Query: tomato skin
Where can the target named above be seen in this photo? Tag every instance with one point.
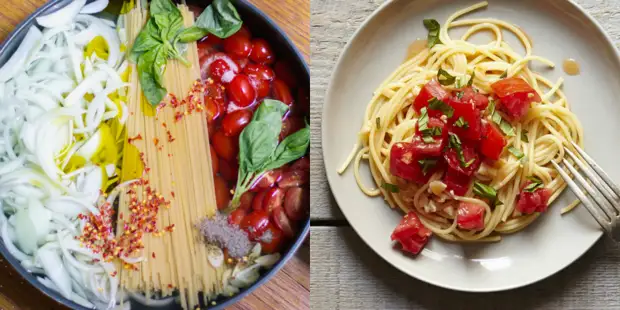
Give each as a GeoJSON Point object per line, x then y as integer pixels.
{"type": "Point", "coordinates": [217, 69]}
{"type": "Point", "coordinates": [261, 52]}
{"type": "Point", "coordinates": [431, 90]}
{"type": "Point", "coordinates": [411, 234]}
{"type": "Point", "coordinates": [245, 201]}
{"type": "Point", "coordinates": [291, 125]}
{"type": "Point", "coordinates": [493, 142]}
{"type": "Point", "coordinates": [271, 240]}
{"type": "Point", "coordinates": [431, 149]}
{"type": "Point", "coordinates": [268, 180]}
{"type": "Point", "coordinates": [296, 203]}
{"type": "Point", "coordinates": [515, 96]}
{"type": "Point", "coordinates": [245, 32]}
{"type": "Point", "coordinates": [222, 193]}
{"type": "Point", "coordinates": [280, 91]}
{"type": "Point", "coordinates": [235, 122]}
{"type": "Point", "coordinates": [215, 162]}
{"type": "Point", "coordinates": [470, 96]}
{"type": "Point", "coordinates": [298, 174]}
{"type": "Point", "coordinates": [259, 71]}
{"type": "Point", "coordinates": [273, 199]}
{"type": "Point", "coordinates": [457, 183]}
{"type": "Point", "coordinates": [226, 147]}
{"type": "Point", "coordinates": [238, 45]}
{"type": "Point", "coordinates": [537, 201]}
{"type": "Point", "coordinates": [454, 163]}
{"type": "Point", "coordinates": [229, 170]}
{"type": "Point", "coordinates": [241, 91]}
{"type": "Point", "coordinates": [284, 73]}
{"type": "Point", "coordinates": [257, 202]}
{"type": "Point", "coordinates": [283, 222]}
{"type": "Point", "coordinates": [262, 87]}
{"type": "Point", "coordinates": [213, 109]}
{"type": "Point", "coordinates": [255, 223]}
{"type": "Point", "coordinates": [470, 216]}
{"type": "Point", "coordinates": [404, 163]}
{"type": "Point", "coordinates": [236, 217]}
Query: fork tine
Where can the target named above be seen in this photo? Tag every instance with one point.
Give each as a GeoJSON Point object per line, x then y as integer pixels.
{"type": "Point", "coordinates": [598, 169]}
{"type": "Point", "coordinates": [595, 212]}
{"type": "Point", "coordinates": [598, 197]}
{"type": "Point", "coordinates": [597, 181]}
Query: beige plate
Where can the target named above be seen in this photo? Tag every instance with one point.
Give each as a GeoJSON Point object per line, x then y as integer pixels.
{"type": "Point", "coordinates": [559, 30]}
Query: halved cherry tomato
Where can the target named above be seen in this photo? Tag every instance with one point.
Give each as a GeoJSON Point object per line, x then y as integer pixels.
{"type": "Point", "coordinates": [271, 240]}
{"type": "Point", "coordinates": [241, 91]}
{"type": "Point", "coordinates": [263, 87]}
{"type": "Point", "coordinates": [457, 183]}
{"type": "Point", "coordinates": [222, 193]}
{"type": "Point", "coordinates": [283, 222]}
{"type": "Point", "coordinates": [215, 91]}
{"type": "Point", "coordinates": [293, 178]}
{"type": "Point", "coordinates": [470, 157]}
{"type": "Point", "coordinates": [229, 170]}
{"type": "Point", "coordinates": [431, 90]}
{"type": "Point", "coordinates": [301, 164]}
{"type": "Point", "coordinates": [537, 201]}
{"type": "Point", "coordinates": [303, 102]}
{"type": "Point", "coordinates": [493, 142]}
{"type": "Point", "coordinates": [296, 203]}
{"type": "Point", "coordinates": [208, 46]}
{"type": "Point", "coordinates": [226, 147]}
{"type": "Point", "coordinates": [235, 122]}
{"type": "Point", "coordinates": [273, 199]}
{"type": "Point", "coordinates": [245, 201]}
{"type": "Point", "coordinates": [411, 233]}
{"type": "Point", "coordinates": [470, 216]}
{"type": "Point", "coordinates": [257, 202]}
{"type": "Point", "coordinates": [404, 163]}
{"type": "Point", "coordinates": [267, 180]}
{"type": "Point", "coordinates": [215, 162]}
{"type": "Point", "coordinates": [238, 45]}
{"type": "Point", "coordinates": [281, 91]}
{"type": "Point", "coordinates": [261, 52]}
{"type": "Point", "coordinates": [255, 223]}
{"type": "Point", "coordinates": [259, 71]}
{"type": "Point", "coordinates": [515, 96]}
{"type": "Point", "coordinates": [213, 109]}
{"type": "Point", "coordinates": [285, 73]}
{"type": "Point", "coordinates": [243, 31]}
{"type": "Point", "coordinates": [291, 125]}
{"type": "Point", "coordinates": [220, 64]}
{"type": "Point", "coordinates": [236, 216]}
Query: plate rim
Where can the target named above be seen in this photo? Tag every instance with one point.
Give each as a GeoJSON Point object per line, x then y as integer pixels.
{"type": "Point", "coordinates": [330, 181]}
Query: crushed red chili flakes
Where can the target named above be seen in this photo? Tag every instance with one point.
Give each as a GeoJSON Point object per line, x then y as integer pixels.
{"type": "Point", "coordinates": [136, 138]}
{"type": "Point", "coordinates": [153, 254]}
{"type": "Point", "coordinates": [156, 141]}
{"type": "Point", "coordinates": [172, 194]}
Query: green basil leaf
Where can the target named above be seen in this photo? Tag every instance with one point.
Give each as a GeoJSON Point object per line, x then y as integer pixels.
{"type": "Point", "coordinates": [269, 106]}
{"type": "Point", "coordinates": [152, 90]}
{"type": "Point", "coordinates": [390, 187]}
{"type": "Point", "coordinates": [516, 152]}
{"type": "Point", "coordinates": [534, 179]}
{"type": "Point", "coordinates": [378, 121]}
{"type": "Point", "coordinates": [504, 75]}
{"type": "Point", "coordinates": [428, 139]}
{"type": "Point", "coordinates": [291, 148]}
{"type": "Point", "coordinates": [427, 164]}
{"type": "Point", "coordinates": [423, 120]}
{"type": "Point", "coordinates": [460, 122]}
{"type": "Point", "coordinates": [220, 18]}
{"type": "Point", "coordinates": [447, 78]}
{"type": "Point", "coordinates": [159, 65]}
{"type": "Point", "coordinates": [191, 34]}
{"type": "Point", "coordinates": [438, 105]}
{"type": "Point", "coordinates": [455, 143]}
{"type": "Point", "coordinates": [506, 128]}
{"type": "Point", "coordinates": [257, 143]}
{"type": "Point", "coordinates": [524, 137]}
{"type": "Point", "coordinates": [169, 25]}
{"type": "Point", "coordinates": [433, 32]}
{"type": "Point", "coordinates": [485, 191]}
{"type": "Point", "coordinates": [496, 118]}
{"type": "Point", "coordinates": [471, 80]}
{"type": "Point", "coordinates": [460, 94]}
{"type": "Point", "coordinates": [147, 40]}
{"type": "Point", "coordinates": [163, 7]}
{"type": "Point", "coordinates": [535, 184]}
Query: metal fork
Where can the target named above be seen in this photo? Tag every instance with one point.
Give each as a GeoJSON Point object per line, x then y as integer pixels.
{"type": "Point", "coordinates": [606, 194]}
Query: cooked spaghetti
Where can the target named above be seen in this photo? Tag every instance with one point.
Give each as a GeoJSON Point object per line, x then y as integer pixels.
{"type": "Point", "coordinates": [530, 141]}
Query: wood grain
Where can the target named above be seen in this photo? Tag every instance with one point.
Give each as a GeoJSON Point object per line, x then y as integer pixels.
{"type": "Point", "coordinates": [289, 289]}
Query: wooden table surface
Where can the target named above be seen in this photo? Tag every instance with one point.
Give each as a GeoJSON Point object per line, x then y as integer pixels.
{"type": "Point", "coordinates": [289, 289]}
{"type": "Point", "coordinates": [347, 274]}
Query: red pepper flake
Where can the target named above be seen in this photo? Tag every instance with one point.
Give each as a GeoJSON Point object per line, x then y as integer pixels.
{"type": "Point", "coordinates": [156, 141]}
{"type": "Point", "coordinates": [178, 116]}
{"type": "Point", "coordinates": [113, 274]}
{"type": "Point", "coordinates": [138, 137]}
{"type": "Point", "coordinates": [153, 254]}
{"type": "Point", "coordinates": [120, 215]}
{"type": "Point", "coordinates": [169, 228]}
{"type": "Point", "coordinates": [170, 286]}
{"type": "Point", "coordinates": [172, 193]}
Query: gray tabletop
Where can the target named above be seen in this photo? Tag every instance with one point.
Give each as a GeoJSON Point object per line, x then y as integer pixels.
{"type": "Point", "coordinates": [347, 274]}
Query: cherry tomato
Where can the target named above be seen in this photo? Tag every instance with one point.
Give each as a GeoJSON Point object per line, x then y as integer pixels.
{"type": "Point", "coordinates": [226, 147]}
{"type": "Point", "coordinates": [259, 71]}
{"type": "Point", "coordinates": [215, 91]}
{"type": "Point", "coordinates": [207, 47]}
{"type": "Point", "coordinates": [245, 202]}
{"type": "Point", "coordinates": [293, 178]}
{"type": "Point", "coordinates": [215, 162]}
{"type": "Point", "coordinates": [222, 193]}
{"type": "Point", "coordinates": [238, 45]}
{"type": "Point", "coordinates": [296, 203]}
{"type": "Point", "coordinates": [273, 199]}
{"type": "Point", "coordinates": [282, 221]}
{"type": "Point", "coordinates": [291, 125]}
{"type": "Point", "coordinates": [267, 180]}
{"type": "Point", "coordinates": [213, 109]}
{"type": "Point", "coordinates": [233, 123]}
{"type": "Point", "coordinates": [243, 31]}
{"type": "Point", "coordinates": [241, 91]}
{"type": "Point", "coordinates": [281, 91]}
{"type": "Point", "coordinates": [210, 39]}
{"type": "Point", "coordinates": [284, 73]}
{"type": "Point", "coordinates": [261, 52]}
{"type": "Point", "coordinates": [271, 240]}
{"type": "Point", "coordinates": [301, 164]}
{"type": "Point", "coordinates": [257, 202]}
{"type": "Point", "coordinates": [263, 87]}
{"type": "Point", "coordinates": [236, 216]}
{"type": "Point", "coordinates": [217, 69]}
{"type": "Point", "coordinates": [255, 223]}
{"type": "Point", "coordinates": [303, 101]}
{"type": "Point", "coordinates": [229, 170]}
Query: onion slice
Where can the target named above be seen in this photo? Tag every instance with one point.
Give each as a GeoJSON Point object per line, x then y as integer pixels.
{"type": "Point", "coordinates": [63, 16]}
{"type": "Point", "coordinates": [94, 7]}
{"type": "Point", "coordinates": [16, 62]}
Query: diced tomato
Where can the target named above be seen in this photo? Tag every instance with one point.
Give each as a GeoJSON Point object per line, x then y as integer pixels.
{"type": "Point", "coordinates": [493, 142]}
{"type": "Point", "coordinates": [273, 199]}
{"type": "Point", "coordinates": [236, 216]}
{"type": "Point", "coordinates": [411, 233]}
{"type": "Point", "coordinates": [468, 112]}
{"type": "Point", "coordinates": [537, 201]}
{"type": "Point", "coordinates": [469, 154]}
{"type": "Point", "coordinates": [431, 149]}
{"type": "Point", "coordinates": [255, 224]}
{"type": "Point", "coordinates": [515, 96]}
{"type": "Point", "coordinates": [470, 216]}
{"type": "Point", "coordinates": [470, 96]}
{"type": "Point", "coordinates": [431, 90]}
{"type": "Point", "coordinates": [404, 163]}
{"type": "Point", "coordinates": [271, 240]}
{"type": "Point", "coordinates": [457, 183]}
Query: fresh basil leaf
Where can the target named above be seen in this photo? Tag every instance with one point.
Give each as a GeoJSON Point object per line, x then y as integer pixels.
{"type": "Point", "coordinates": [496, 118]}
{"type": "Point", "coordinates": [491, 107]}
{"type": "Point", "coordinates": [471, 80]}
{"type": "Point", "coordinates": [535, 184]}
{"type": "Point", "coordinates": [534, 179]}
{"type": "Point", "coordinates": [516, 152]}
{"type": "Point", "coordinates": [460, 94]}
{"type": "Point", "coordinates": [390, 187]}
{"type": "Point", "coordinates": [220, 18]}
{"type": "Point", "coordinates": [159, 65]}
{"type": "Point", "coordinates": [455, 143]}
{"type": "Point", "coordinates": [428, 139]}
{"type": "Point", "coordinates": [460, 122]}
{"type": "Point", "coordinates": [169, 25]}
{"type": "Point", "coordinates": [506, 128]}
{"type": "Point", "coordinates": [257, 143]}
{"type": "Point", "coordinates": [269, 106]}
{"type": "Point", "coordinates": [438, 105]}
{"type": "Point", "coordinates": [427, 164]}
{"type": "Point", "coordinates": [488, 192]}
{"type": "Point", "coordinates": [163, 7]}
{"type": "Point", "coordinates": [423, 120]}
{"type": "Point", "coordinates": [378, 121]}
{"type": "Point", "coordinates": [433, 32]}
{"type": "Point", "coordinates": [447, 78]}
{"type": "Point", "coordinates": [152, 90]}
{"type": "Point", "coordinates": [504, 75]}
{"type": "Point", "coordinates": [291, 148]}
{"type": "Point", "coordinates": [524, 137]}
{"type": "Point", "coordinates": [147, 40]}
{"type": "Point", "coordinates": [191, 34]}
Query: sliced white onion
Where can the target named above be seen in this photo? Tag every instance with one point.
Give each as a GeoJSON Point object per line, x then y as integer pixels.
{"type": "Point", "coordinates": [62, 16]}
{"type": "Point", "coordinates": [54, 269]}
{"type": "Point", "coordinates": [17, 60]}
{"type": "Point", "coordinates": [94, 7]}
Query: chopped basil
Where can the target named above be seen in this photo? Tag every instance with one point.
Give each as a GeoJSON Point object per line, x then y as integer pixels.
{"type": "Point", "coordinates": [471, 80]}
{"type": "Point", "coordinates": [428, 139]}
{"type": "Point", "coordinates": [460, 122]}
{"type": "Point", "coordinates": [535, 183]}
{"type": "Point", "coordinates": [460, 94]}
{"type": "Point", "coordinates": [433, 32]}
{"type": "Point", "coordinates": [390, 187]}
{"type": "Point", "coordinates": [429, 133]}
{"type": "Point", "coordinates": [488, 192]}
{"type": "Point", "coordinates": [503, 124]}
{"type": "Point", "coordinates": [455, 143]}
{"type": "Point", "coordinates": [504, 75]}
{"type": "Point", "coordinates": [496, 118]}
{"type": "Point", "coordinates": [438, 105]}
{"type": "Point", "coordinates": [516, 152]}
{"type": "Point", "coordinates": [423, 120]}
{"type": "Point", "coordinates": [378, 120]}
{"type": "Point", "coordinates": [491, 107]}
{"type": "Point", "coordinates": [427, 164]}
{"type": "Point", "coordinates": [447, 78]}
{"type": "Point", "coordinates": [507, 128]}
{"type": "Point", "coordinates": [524, 137]}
